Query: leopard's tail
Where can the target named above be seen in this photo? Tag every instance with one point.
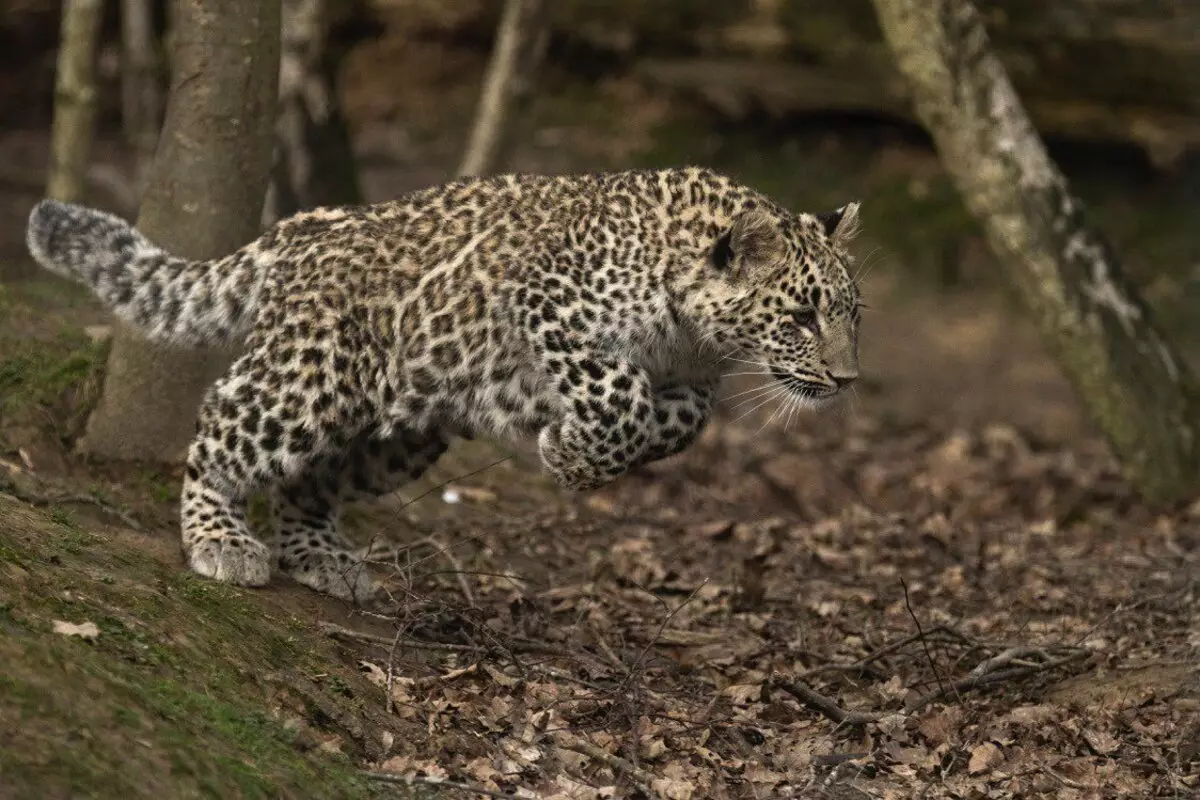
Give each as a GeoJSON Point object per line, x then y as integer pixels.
{"type": "Point", "coordinates": [191, 303]}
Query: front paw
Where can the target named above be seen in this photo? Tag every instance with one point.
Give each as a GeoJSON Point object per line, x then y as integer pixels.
{"type": "Point", "coordinates": [568, 465]}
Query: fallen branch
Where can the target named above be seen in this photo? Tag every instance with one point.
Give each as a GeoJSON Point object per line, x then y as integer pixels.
{"type": "Point", "coordinates": [825, 705]}
{"type": "Point", "coordinates": [640, 777]}
{"type": "Point", "coordinates": [994, 670]}
{"type": "Point", "coordinates": [423, 780]}
{"type": "Point", "coordinates": [921, 635]}
{"type": "Point", "coordinates": [39, 500]}
{"type": "Point", "coordinates": [338, 632]}
{"type": "Point", "coordinates": [864, 664]}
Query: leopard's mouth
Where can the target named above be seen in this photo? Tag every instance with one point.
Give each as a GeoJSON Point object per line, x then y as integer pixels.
{"type": "Point", "coordinates": [804, 388]}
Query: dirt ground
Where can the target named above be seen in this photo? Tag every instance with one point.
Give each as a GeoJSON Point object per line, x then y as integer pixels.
{"type": "Point", "coordinates": [942, 588]}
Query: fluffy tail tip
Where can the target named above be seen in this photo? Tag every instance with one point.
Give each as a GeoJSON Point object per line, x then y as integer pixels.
{"type": "Point", "coordinates": [48, 220]}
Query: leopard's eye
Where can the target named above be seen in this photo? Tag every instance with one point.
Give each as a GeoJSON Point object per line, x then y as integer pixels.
{"type": "Point", "coordinates": [806, 318]}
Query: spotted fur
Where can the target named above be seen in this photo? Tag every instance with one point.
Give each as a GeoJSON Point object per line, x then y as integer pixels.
{"type": "Point", "coordinates": [593, 312]}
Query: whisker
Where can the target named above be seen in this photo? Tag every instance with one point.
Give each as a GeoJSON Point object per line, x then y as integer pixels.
{"type": "Point", "coordinates": [858, 275]}
{"type": "Point", "coordinates": [755, 390]}
{"type": "Point", "coordinates": [795, 406]}
{"type": "Point", "coordinates": [782, 405]}
{"type": "Point", "coordinates": [751, 363]}
{"type": "Point", "coordinates": [739, 374]}
{"type": "Point", "coordinates": [780, 390]}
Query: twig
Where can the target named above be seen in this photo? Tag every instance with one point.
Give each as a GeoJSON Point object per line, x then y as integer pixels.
{"type": "Point", "coordinates": [338, 632]}
{"type": "Point", "coordinates": [514, 645]}
{"type": "Point", "coordinates": [658, 635]}
{"type": "Point", "coordinates": [423, 780]}
{"type": "Point", "coordinates": [825, 705]}
{"type": "Point", "coordinates": [41, 500]}
{"type": "Point", "coordinates": [459, 572]}
{"type": "Point", "coordinates": [977, 679]}
{"type": "Point", "coordinates": [643, 779]}
{"type": "Point", "coordinates": [864, 663]}
{"type": "Point", "coordinates": [449, 481]}
{"type": "Point", "coordinates": [388, 703]}
{"type": "Point", "coordinates": [921, 635]}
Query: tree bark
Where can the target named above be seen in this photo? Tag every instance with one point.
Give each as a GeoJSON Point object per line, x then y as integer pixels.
{"type": "Point", "coordinates": [74, 100]}
{"type": "Point", "coordinates": [520, 41]}
{"type": "Point", "coordinates": [141, 84]}
{"type": "Point", "coordinates": [314, 160]}
{"type": "Point", "coordinates": [203, 199]}
{"type": "Point", "coordinates": [1137, 388]}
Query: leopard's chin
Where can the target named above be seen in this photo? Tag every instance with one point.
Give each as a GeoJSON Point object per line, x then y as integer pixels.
{"type": "Point", "coordinates": [806, 393]}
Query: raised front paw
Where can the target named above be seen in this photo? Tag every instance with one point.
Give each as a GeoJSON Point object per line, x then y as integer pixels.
{"type": "Point", "coordinates": [568, 461]}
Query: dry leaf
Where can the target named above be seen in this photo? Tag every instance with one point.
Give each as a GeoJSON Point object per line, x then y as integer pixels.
{"type": "Point", "coordinates": [84, 630]}
{"type": "Point", "coordinates": [985, 758]}
{"type": "Point", "coordinates": [1103, 743]}
{"type": "Point", "coordinates": [743, 693]}
{"type": "Point", "coordinates": [673, 789]}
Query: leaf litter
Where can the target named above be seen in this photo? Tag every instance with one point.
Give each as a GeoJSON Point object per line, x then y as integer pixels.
{"type": "Point", "coordinates": [955, 613]}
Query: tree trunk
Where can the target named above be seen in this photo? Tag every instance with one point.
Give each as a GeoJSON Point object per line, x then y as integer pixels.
{"type": "Point", "coordinates": [141, 84]}
{"type": "Point", "coordinates": [74, 100]}
{"type": "Point", "coordinates": [1135, 385]}
{"type": "Point", "coordinates": [520, 41]}
{"type": "Point", "coordinates": [203, 199]}
{"type": "Point", "coordinates": [314, 161]}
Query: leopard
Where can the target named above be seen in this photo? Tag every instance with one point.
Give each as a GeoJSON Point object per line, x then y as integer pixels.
{"type": "Point", "coordinates": [591, 315]}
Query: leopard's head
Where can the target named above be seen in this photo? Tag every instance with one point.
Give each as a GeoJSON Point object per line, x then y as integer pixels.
{"type": "Point", "coordinates": [777, 299]}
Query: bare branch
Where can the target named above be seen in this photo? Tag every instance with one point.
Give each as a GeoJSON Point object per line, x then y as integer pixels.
{"type": "Point", "coordinates": [825, 705]}
{"type": "Point", "coordinates": [518, 43]}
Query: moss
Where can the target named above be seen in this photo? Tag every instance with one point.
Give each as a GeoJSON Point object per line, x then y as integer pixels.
{"type": "Point", "coordinates": [169, 698]}
{"type": "Point", "coordinates": [38, 372]}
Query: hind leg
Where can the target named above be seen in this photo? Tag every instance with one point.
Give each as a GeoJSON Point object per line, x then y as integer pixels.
{"type": "Point", "coordinates": [248, 435]}
{"type": "Point", "coordinates": [312, 549]}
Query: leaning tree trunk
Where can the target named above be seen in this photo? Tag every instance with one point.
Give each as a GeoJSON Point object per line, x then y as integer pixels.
{"type": "Point", "coordinates": [520, 42]}
{"type": "Point", "coordinates": [74, 100]}
{"type": "Point", "coordinates": [203, 199]}
{"type": "Point", "coordinates": [1135, 385]}
{"type": "Point", "coordinates": [314, 160]}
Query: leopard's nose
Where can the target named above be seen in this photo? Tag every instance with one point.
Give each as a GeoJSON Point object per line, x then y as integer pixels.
{"type": "Point", "coordinates": [843, 381]}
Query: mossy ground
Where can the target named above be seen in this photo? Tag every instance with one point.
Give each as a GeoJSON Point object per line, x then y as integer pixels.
{"type": "Point", "coordinates": [170, 700]}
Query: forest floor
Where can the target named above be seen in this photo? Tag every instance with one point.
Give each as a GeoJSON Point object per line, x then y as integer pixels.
{"type": "Point", "coordinates": [942, 588]}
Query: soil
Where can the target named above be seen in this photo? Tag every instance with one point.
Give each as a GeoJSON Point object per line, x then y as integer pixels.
{"type": "Point", "coordinates": [942, 588]}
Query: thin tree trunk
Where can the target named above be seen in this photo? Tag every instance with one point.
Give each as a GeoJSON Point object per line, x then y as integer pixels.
{"type": "Point", "coordinates": [314, 161]}
{"type": "Point", "coordinates": [1133, 382]}
{"type": "Point", "coordinates": [74, 100]}
{"type": "Point", "coordinates": [520, 41]}
{"type": "Point", "coordinates": [141, 84]}
{"type": "Point", "coordinates": [203, 199]}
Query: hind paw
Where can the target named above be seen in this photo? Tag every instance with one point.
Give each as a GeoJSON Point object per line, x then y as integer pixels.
{"type": "Point", "coordinates": [335, 573]}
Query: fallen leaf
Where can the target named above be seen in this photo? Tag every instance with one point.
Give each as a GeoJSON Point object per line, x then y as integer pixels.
{"type": "Point", "coordinates": [84, 630]}
{"type": "Point", "coordinates": [984, 758]}
{"type": "Point", "coordinates": [743, 693]}
{"type": "Point", "coordinates": [1103, 743]}
{"type": "Point", "coordinates": [673, 789]}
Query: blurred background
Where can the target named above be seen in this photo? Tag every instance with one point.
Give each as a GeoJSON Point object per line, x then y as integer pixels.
{"type": "Point", "coordinates": [798, 97]}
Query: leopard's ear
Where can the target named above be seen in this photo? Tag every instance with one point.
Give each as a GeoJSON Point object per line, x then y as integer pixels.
{"type": "Point", "coordinates": [842, 225]}
{"type": "Point", "coordinates": [752, 242]}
